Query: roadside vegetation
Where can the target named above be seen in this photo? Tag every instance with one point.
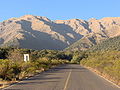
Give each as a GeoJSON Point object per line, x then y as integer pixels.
{"type": "Point", "coordinates": [103, 58]}
{"type": "Point", "coordinates": [106, 63]}
{"type": "Point", "coordinates": [77, 56]}
{"type": "Point", "coordinates": [12, 66]}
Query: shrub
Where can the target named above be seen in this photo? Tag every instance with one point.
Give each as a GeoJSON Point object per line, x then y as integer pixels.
{"type": "Point", "coordinates": [107, 62]}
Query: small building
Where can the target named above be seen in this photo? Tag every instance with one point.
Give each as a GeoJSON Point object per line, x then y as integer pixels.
{"type": "Point", "coordinates": [26, 57]}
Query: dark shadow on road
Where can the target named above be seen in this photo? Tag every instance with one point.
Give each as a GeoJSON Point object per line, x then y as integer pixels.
{"type": "Point", "coordinates": [49, 75]}
{"type": "Point", "coordinates": [32, 83]}
{"type": "Point", "coordinates": [44, 78]}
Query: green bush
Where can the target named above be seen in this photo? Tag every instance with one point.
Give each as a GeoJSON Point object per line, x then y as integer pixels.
{"type": "Point", "coordinates": [106, 62]}
{"type": "Point", "coordinates": [9, 69]}
{"type": "Point", "coordinates": [13, 67]}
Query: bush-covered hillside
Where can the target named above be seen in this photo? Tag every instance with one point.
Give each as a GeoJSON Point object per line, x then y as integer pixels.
{"type": "Point", "coordinates": [82, 44]}
{"type": "Point", "coordinates": [87, 42]}
{"type": "Point", "coordinates": [109, 44]}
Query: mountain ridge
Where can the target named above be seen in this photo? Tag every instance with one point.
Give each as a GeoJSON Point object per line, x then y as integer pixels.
{"type": "Point", "coordinates": [37, 32]}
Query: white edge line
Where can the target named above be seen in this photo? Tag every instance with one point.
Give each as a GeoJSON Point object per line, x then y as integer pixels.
{"type": "Point", "coordinates": [17, 83]}
{"type": "Point", "coordinates": [11, 85]}
{"type": "Point", "coordinates": [103, 78]}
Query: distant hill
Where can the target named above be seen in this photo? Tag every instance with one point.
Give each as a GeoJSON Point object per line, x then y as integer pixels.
{"type": "Point", "coordinates": [37, 32]}
{"type": "Point", "coordinates": [86, 42]}
{"type": "Point", "coordinates": [109, 44]}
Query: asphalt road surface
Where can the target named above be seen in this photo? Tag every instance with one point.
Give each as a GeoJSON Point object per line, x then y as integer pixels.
{"type": "Point", "coordinates": [65, 77]}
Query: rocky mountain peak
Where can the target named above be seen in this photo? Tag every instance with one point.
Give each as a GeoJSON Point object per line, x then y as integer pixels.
{"type": "Point", "coordinates": [37, 32]}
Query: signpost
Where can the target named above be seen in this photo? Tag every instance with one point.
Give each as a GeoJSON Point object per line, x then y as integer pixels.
{"type": "Point", "coordinates": [26, 57]}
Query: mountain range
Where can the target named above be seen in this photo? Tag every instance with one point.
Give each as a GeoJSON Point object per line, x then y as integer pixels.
{"type": "Point", "coordinates": [37, 32]}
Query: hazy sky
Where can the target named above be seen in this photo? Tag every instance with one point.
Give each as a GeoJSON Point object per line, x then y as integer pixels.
{"type": "Point", "coordinates": [60, 9]}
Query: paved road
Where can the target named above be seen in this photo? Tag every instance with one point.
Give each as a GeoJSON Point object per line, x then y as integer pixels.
{"type": "Point", "coordinates": [65, 77]}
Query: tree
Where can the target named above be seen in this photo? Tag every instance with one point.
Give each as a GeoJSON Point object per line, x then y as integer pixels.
{"type": "Point", "coordinates": [15, 55]}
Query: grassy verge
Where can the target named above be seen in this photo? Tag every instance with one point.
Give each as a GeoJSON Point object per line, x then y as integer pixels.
{"type": "Point", "coordinates": [12, 72]}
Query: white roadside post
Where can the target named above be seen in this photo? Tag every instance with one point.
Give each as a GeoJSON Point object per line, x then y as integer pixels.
{"type": "Point", "coordinates": [26, 57]}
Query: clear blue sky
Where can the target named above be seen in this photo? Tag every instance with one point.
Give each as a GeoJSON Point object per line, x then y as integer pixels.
{"type": "Point", "coordinates": [60, 9]}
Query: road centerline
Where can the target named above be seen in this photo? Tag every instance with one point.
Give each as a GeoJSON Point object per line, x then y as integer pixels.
{"type": "Point", "coordinates": [66, 83]}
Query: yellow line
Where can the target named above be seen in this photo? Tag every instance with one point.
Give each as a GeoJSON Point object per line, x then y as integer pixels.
{"type": "Point", "coordinates": [66, 83]}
